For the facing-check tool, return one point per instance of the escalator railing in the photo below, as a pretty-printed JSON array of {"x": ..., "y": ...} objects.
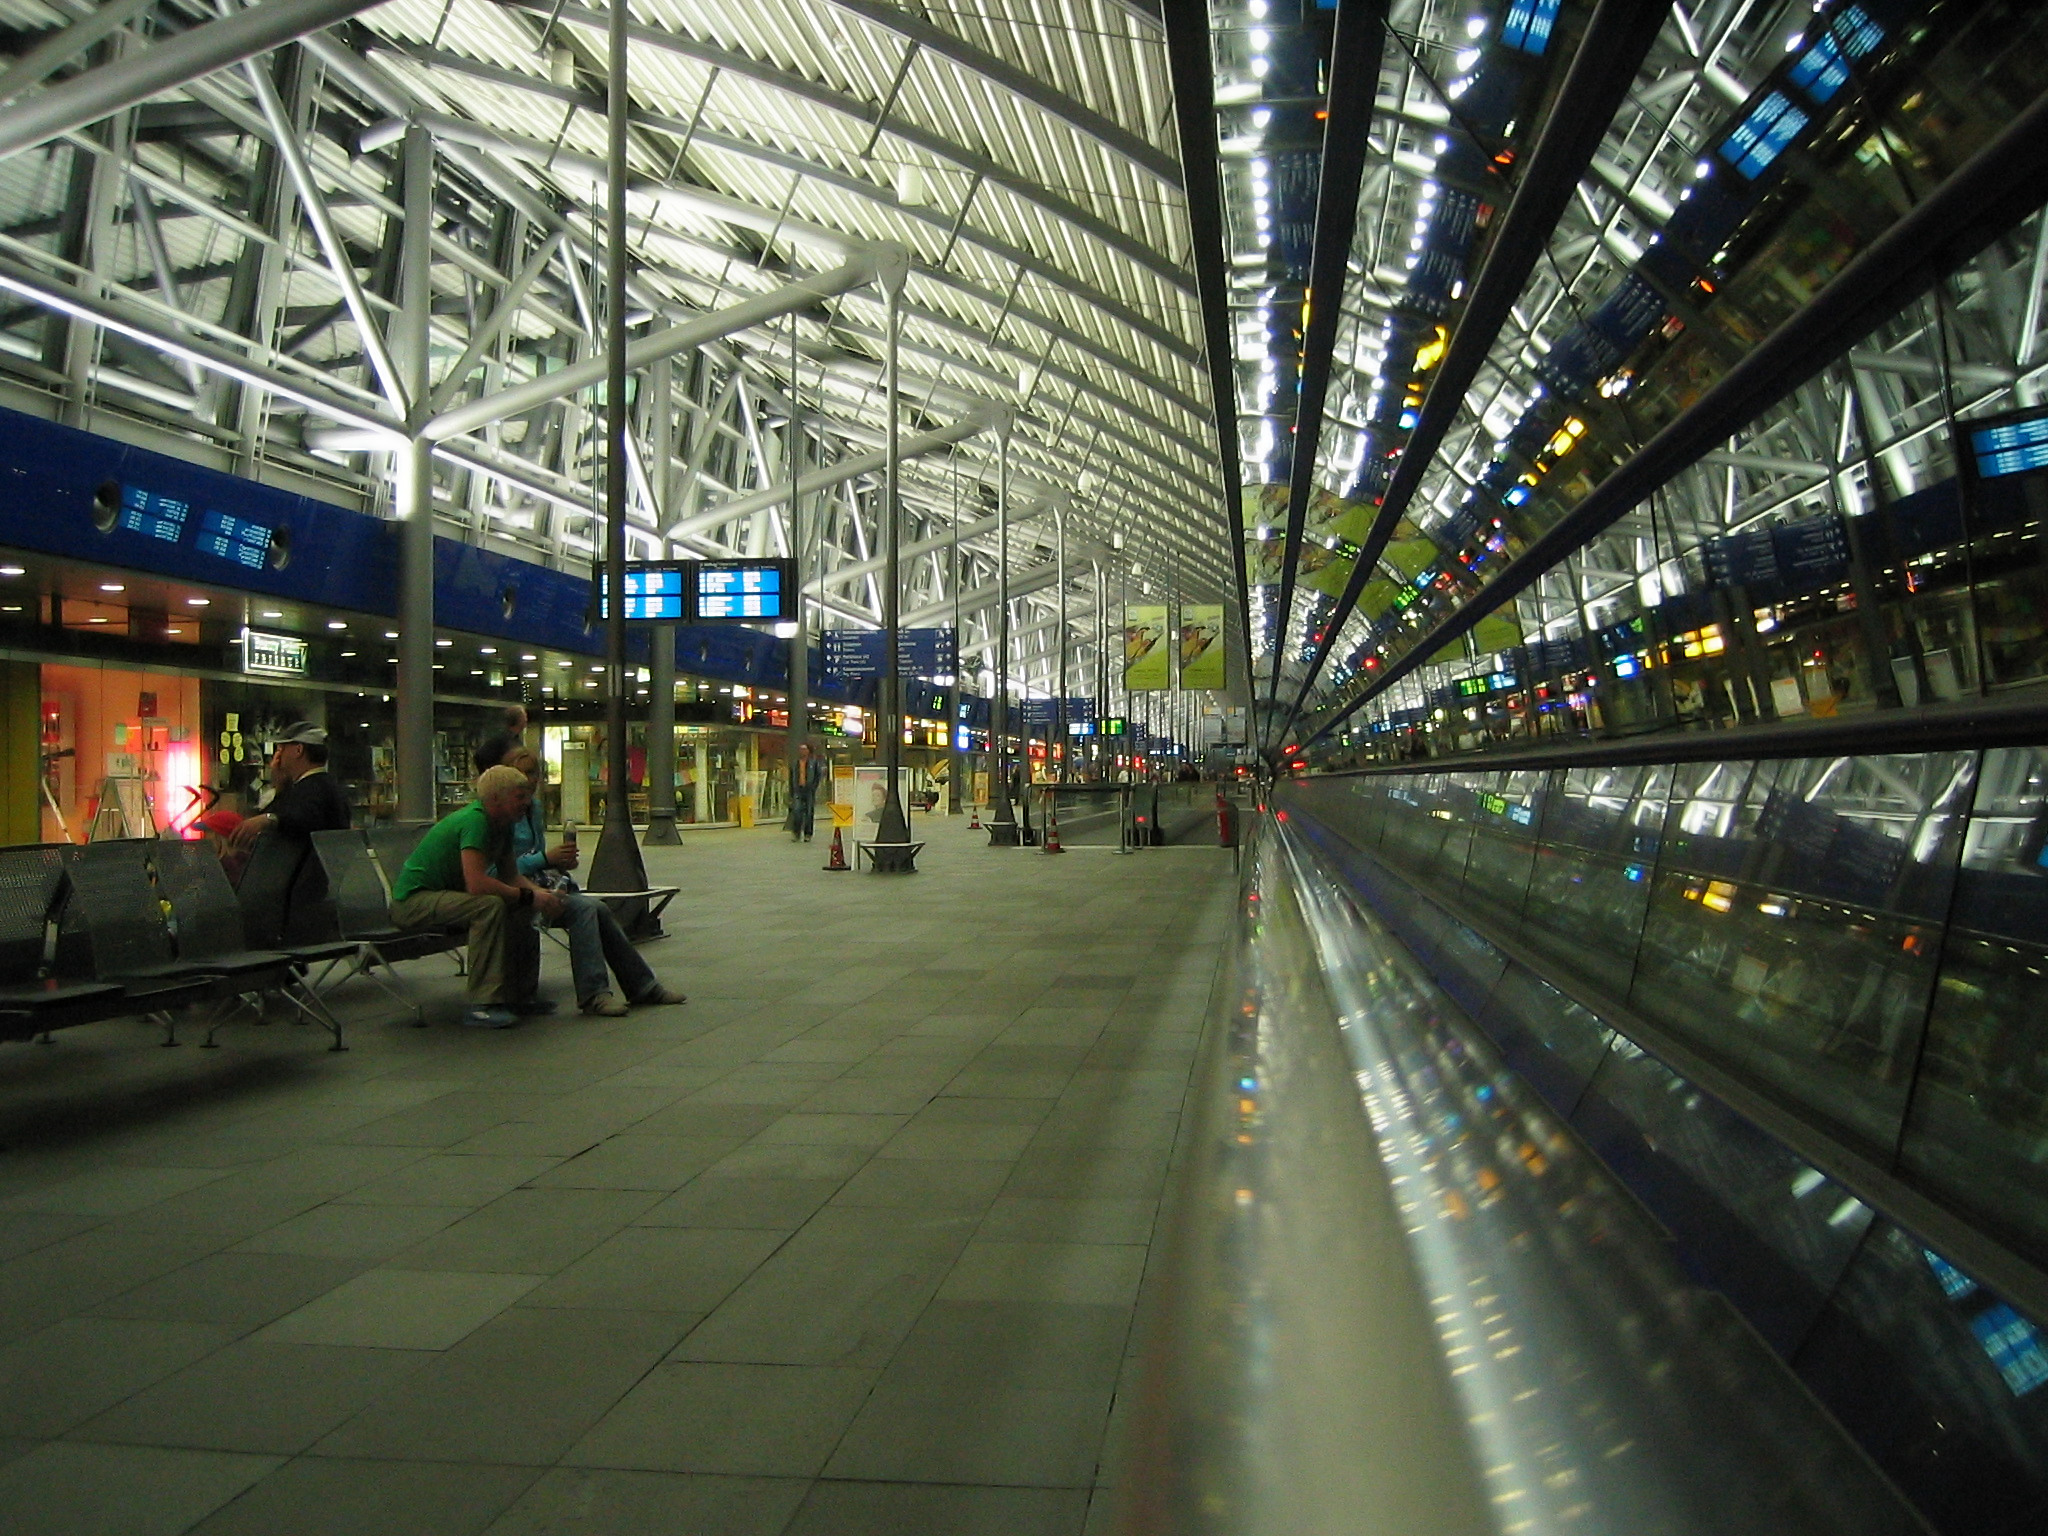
[{"x": 1403, "y": 1297}]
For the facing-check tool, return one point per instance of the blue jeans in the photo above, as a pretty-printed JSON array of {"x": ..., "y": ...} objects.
[{"x": 597, "y": 940}]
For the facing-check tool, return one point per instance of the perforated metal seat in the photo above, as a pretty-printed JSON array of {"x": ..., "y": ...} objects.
[
  {"x": 210, "y": 933},
  {"x": 360, "y": 909},
  {"x": 34, "y": 1001}
]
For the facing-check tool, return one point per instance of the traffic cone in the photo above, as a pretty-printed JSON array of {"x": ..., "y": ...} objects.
[
  {"x": 973, "y": 817},
  {"x": 838, "y": 860},
  {"x": 1052, "y": 825}
]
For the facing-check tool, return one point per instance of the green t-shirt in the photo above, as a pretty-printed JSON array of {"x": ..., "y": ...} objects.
[{"x": 436, "y": 865}]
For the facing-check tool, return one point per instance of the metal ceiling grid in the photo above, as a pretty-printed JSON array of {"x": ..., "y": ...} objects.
[{"x": 1023, "y": 155}]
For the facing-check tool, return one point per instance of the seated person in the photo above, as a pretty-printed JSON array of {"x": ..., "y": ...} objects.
[
  {"x": 491, "y": 751},
  {"x": 463, "y": 872},
  {"x": 307, "y": 799},
  {"x": 595, "y": 937}
]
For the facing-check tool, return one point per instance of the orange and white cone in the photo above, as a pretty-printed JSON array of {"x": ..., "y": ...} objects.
[
  {"x": 838, "y": 859},
  {"x": 1052, "y": 825}
]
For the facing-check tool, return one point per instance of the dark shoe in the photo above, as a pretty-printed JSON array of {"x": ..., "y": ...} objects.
[
  {"x": 490, "y": 1018},
  {"x": 658, "y": 996},
  {"x": 535, "y": 1007}
]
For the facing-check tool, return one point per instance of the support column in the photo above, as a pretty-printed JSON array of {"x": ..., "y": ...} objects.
[
  {"x": 413, "y": 755},
  {"x": 1002, "y": 825},
  {"x": 1101, "y": 690},
  {"x": 617, "y": 865},
  {"x": 955, "y": 758},
  {"x": 895, "y": 827},
  {"x": 661, "y": 740},
  {"x": 1059, "y": 709},
  {"x": 799, "y": 554}
]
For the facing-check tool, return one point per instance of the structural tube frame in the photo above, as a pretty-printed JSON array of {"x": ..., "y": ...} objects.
[{"x": 165, "y": 65}]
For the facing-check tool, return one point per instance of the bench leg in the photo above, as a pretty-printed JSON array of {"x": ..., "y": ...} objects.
[
  {"x": 393, "y": 988},
  {"x": 312, "y": 1008},
  {"x": 170, "y": 1026}
]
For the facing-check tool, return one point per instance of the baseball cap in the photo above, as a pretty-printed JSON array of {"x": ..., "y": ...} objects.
[{"x": 303, "y": 733}]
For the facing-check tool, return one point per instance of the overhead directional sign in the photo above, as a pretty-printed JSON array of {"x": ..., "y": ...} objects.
[{"x": 858, "y": 653}]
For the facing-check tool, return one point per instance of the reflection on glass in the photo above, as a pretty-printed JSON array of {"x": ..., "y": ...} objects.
[
  {"x": 1591, "y": 878},
  {"x": 1940, "y": 1380},
  {"x": 1979, "y": 1127},
  {"x": 1793, "y": 927}
]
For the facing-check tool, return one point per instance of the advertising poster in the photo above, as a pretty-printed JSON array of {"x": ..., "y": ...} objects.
[
  {"x": 870, "y": 794},
  {"x": 1201, "y": 645},
  {"x": 1147, "y": 655}
]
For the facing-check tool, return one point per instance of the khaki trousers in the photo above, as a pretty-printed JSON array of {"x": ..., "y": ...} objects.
[{"x": 497, "y": 932}]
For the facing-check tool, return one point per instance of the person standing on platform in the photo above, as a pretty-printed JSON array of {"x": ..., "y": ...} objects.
[
  {"x": 805, "y": 775},
  {"x": 463, "y": 872}
]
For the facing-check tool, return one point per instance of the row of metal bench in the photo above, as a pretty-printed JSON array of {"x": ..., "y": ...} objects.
[{"x": 148, "y": 927}]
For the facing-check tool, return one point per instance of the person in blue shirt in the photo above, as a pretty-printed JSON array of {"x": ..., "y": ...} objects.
[{"x": 596, "y": 941}]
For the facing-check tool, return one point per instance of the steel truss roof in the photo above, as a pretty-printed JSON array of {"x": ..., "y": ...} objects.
[{"x": 171, "y": 263}]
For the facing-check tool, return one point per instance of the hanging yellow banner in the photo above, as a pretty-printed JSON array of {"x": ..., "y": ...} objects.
[
  {"x": 1147, "y": 655},
  {"x": 1201, "y": 645}
]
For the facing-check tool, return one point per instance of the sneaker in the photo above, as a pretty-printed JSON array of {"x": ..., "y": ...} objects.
[
  {"x": 534, "y": 1007},
  {"x": 490, "y": 1018},
  {"x": 604, "y": 1005},
  {"x": 658, "y": 995}
]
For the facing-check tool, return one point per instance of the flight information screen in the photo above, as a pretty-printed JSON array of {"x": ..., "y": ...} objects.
[
  {"x": 654, "y": 590},
  {"x": 233, "y": 539},
  {"x": 154, "y": 514},
  {"x": 2011, "y": 445},
  {"x": 743, "y": 589}
]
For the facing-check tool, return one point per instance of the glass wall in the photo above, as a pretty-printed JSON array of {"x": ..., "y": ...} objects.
[{"x": 1862, "y": 939}]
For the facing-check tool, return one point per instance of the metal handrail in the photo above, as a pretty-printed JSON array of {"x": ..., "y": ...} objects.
[
  {"x": 1959, "y": 727},
  {"x": 1401, "y": 1296}
]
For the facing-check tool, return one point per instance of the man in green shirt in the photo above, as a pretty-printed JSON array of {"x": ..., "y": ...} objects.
[{"x": 453, "y": 877}]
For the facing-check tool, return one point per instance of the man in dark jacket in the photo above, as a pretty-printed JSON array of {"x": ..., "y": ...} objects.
[{"x": 309, "y": 799}]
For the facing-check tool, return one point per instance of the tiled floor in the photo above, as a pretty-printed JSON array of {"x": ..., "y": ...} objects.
[{"x": 850, "y": 1243}]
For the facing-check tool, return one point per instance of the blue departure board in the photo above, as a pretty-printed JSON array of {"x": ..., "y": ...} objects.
[
  {"x": 1763, "y": 135},
  {"x": 653, "y": 591},
  {"x": 153, "y": 514},
  {"x": 2009, "y": 446},
  {"x": 742, "y": 589},
  {"x": 1528, "y": 25},
  {"x": 236, "y": 540}
]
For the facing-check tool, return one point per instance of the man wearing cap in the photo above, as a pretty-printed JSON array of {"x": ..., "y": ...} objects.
[{"x": 309, "y": 799}]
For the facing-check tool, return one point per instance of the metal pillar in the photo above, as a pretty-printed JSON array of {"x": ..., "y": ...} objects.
[
  {"x": 894, "y": 828},
  {"x": 1101, "y": 689},
  {"x": 1002, "y": 826},
  {"x": 413, "y": 755},
  {"x": 1061, "y": 739},
  {"x": 661, "y": 740},
  {"x": 956, "y": 760},
  {"x": 799, "y": 548},
  {"x": 617, "y": 865}
]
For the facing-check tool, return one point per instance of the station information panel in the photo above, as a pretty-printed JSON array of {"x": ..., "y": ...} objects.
[
  {"x": 705, "y": 591},
  {"x": 744, "y": 589},
  {"x": 655, "y": 589}
]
